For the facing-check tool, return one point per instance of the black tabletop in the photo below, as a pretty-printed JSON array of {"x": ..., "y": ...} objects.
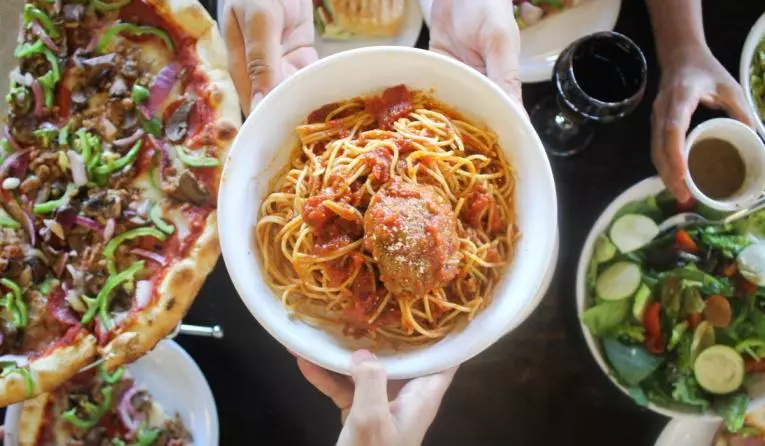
[{"x": 537, "y": 386}]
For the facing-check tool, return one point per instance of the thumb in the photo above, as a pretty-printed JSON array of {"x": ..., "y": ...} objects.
[
  {"x": 261, "y": 29},
  {"x": 501, "y": 49},
  {"x": 371, "y": 392},
  {"x": 733, "y": 101}
]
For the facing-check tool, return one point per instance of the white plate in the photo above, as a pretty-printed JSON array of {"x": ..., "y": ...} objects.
[
  {"x": 757, "y": 32},
  {"x": 685, "y": 432},
  {"x": 644, "y": 189},
  {"x": 262, "y": 148},
  {"x": 543, "y": 42},
  {"x": 172, "y": 376},
  {"x": 407, "y": 36}
]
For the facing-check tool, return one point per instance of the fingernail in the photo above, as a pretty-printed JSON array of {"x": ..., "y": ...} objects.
[
  {"x": 360, "y": 356},
  {"x": 256, "y": 98}
]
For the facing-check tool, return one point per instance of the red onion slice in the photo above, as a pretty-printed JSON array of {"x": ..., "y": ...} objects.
[
  {"x": 143, "y": 290},
  {"x": 130, "y": 140},
  {"x": 88, "y": 223},
  {"x": 163, "y": 83},
  {"x": 11, "y": 162},
  {"x": 20, "y": 36},
  {"x": 58, "y": 267},
  {"x": 79, "y": 173},
  {"x": 127, "y": 412},
  {"x": 111, "y": 224},
  {"x": 164, "y": 159},
  {"x": 19, "y": 360},
  {"x": 12, "y": 141},
  {"x": 44, "y": 37},
  {"x": 149, "y": 255},
  {"x": 29, "y": 227},
  {"x": 39, "y": 98}
]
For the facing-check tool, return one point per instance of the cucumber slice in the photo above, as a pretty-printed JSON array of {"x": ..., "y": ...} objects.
[
  {"x": 751, "y": 263},
  {"x": 703, "y": 337},
  {"x": 618, "y": 281},
  {"x": 642, "y": 299},
  {"x": 633, "y": 231},
  {"x": 604, "y": 249},
  {"x": 719, "y": 369}
]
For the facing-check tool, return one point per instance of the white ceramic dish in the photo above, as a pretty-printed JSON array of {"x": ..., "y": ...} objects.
[
  {"x": 172, "y": 376},
  {"x": 543, "y": 42},
  {"x": 646, "y": 188},
  {"x": 686, "y": 432},
  {"x": 407, "y": 36},
  {"x": 752, "y": 152},
  {"x": 752, "y": 40},
  {"x": 263, "y": 148}
]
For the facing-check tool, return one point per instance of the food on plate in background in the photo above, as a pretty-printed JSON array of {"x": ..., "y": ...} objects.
[
  {"x": 120, "y": 113},
  {"x": 393, "y": 220},
  {"x": 680, "y": 314},
  {"x": 757, "y": 78},
  {"x": 752, "y": 434},
  {"x": 347, "y": 19},
  {"x": 716, "y": 167},
  {"x": 99, "y": 408},
  {"x": 530, "y": 12}
]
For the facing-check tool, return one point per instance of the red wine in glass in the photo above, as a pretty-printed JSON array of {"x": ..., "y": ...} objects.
[{"x": 598, "y": 79}]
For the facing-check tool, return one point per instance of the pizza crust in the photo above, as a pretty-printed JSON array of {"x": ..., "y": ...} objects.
[
  {"x": 185, "y": 278},
  {"x": 32, "y": 420},
  {"x": 177, "y": 291},
  {"x": 50, "y": 371}
]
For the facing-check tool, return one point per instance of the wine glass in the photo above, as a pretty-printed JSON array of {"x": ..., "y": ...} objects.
[{"x": 598, "y": 79}]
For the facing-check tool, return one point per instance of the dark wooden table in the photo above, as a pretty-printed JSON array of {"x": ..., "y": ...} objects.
[{"x": 537, "y": 386}]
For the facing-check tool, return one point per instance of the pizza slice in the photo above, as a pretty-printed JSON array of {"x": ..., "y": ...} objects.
[
  {"x": 97, "y": 408},
  {"x": 121, "y": 114}
]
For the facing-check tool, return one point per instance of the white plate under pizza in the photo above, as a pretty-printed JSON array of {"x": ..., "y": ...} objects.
[{"x": 163, "y": 396}]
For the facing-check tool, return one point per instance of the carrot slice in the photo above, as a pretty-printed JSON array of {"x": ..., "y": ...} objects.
[
  {"x": 718, "y": 312},
  {"x": 685, "y": 242}
]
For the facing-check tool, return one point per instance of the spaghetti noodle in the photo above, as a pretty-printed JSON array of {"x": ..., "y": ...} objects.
[{"x": 443, "y": 199}]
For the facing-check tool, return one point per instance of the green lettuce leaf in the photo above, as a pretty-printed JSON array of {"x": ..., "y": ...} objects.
[
  {"x": 733, "y": 410},
  {"x": 605, "y": 317}
]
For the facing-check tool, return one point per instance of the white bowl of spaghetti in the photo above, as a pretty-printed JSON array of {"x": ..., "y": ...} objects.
[{"x": 387, "y": 220}]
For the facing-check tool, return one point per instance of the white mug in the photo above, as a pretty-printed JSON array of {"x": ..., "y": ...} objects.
[{"x": 752, "y": 151}]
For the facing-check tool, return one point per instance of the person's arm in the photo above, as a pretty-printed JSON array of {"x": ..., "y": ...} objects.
[
  {"x": 690, "y": 75},
  {"x": 677, "y": 26}
]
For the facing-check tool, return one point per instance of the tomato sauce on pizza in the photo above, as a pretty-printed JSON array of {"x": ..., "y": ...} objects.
[{"x": 120, "y": 116}]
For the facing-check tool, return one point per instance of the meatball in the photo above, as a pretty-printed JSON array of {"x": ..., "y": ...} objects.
[{"x": 412, "y": 233}]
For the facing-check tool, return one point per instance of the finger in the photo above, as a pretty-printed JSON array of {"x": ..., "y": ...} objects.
[
  {"x": 419, "y": 400},
  {"x": 732, "y": 99},
  {"x": 261, "y": 30},
  {"x": 338, "y": 388},
  {"x": 501, "y": 49},
  {"x": 670, "y": 140},
  {"x": 371, "y": 391},
  {"x": 237, "y": 64}
]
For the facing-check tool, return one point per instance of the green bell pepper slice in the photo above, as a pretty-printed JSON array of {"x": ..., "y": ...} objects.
[
  {"x": 95, "y": 413},
  {"x": 156, "y": 218},
  {"x": 50, "y": 206},
  {"x": 32, "y": 12},
  {"x": 111, "y": 378},
  {"x": 100, "y": 5},
  {"x": 15, "y": 302},
  {"x": 136, "y": 30},
  {"x": 101, "y": 303},
  {"x": 111, "y": 247},
  {"x": 140, "y": 94},
  {"x": 121, "y": 163},
  {"x": 29, "y": 383},
  {"x": 29, "y": 49},
  {"x": 196, "y": 160},
  {"x": 47, "y": 135}
]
